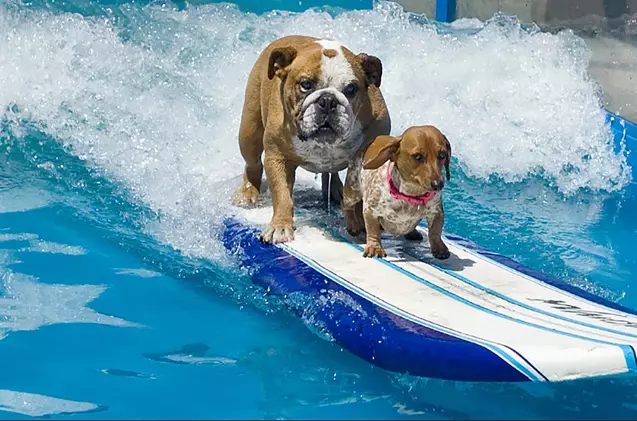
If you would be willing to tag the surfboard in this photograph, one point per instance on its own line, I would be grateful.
(477, 316)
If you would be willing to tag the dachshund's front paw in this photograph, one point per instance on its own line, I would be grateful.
(440, 251)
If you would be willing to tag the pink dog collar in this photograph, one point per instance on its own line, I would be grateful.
(416, 200)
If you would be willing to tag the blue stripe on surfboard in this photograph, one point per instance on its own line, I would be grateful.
(516, 267)
(523, 305)
(629, 353)
(513, 301)
(405, 347)
(494, 347)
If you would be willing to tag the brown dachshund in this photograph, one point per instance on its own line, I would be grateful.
(399, 181)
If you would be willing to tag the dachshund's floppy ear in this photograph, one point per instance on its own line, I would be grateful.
(448, 159)
(382, 148)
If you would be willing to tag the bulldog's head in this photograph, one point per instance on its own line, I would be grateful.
(324, 89)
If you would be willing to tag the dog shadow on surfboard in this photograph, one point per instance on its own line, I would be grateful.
(312, 211)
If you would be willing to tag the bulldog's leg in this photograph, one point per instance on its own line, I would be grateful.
(435, 223)
(332, 188)
(354, 220)
(251, 145)
(352, 205)
(280, 174)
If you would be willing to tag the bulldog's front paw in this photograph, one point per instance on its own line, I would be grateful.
(440, 250)
(246, 195)
(354, 231)
(374, 250)
(277, 233)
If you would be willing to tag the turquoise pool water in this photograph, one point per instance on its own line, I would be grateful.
(118, 121)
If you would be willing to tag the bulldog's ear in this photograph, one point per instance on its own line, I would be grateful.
(382, 148)
(373, 69)
(280, 58)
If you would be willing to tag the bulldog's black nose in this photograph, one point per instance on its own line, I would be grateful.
(437, 185)
(327, 102)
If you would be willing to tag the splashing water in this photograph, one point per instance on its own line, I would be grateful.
(149, 97)
(152, 96)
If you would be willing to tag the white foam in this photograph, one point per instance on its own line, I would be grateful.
(36, 405)
(17, 237)
(27, 304)
(160, 110)
(42, 246)
(189, 359)
(140, 272)
(22, 199)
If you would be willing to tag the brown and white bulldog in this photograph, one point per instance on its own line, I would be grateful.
(309, 103)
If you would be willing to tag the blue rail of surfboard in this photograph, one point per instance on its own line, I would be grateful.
(363, 325)
(386, 337)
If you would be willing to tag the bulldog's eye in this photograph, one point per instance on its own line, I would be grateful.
(442, 155)
(350, 90)
(418, 157)
(306, 85)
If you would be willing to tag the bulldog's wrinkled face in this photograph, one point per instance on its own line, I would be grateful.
(324, 93)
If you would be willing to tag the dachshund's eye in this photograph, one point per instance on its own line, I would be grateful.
(442, 155)
(306, 85)
(350, 90)
(418, 157)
